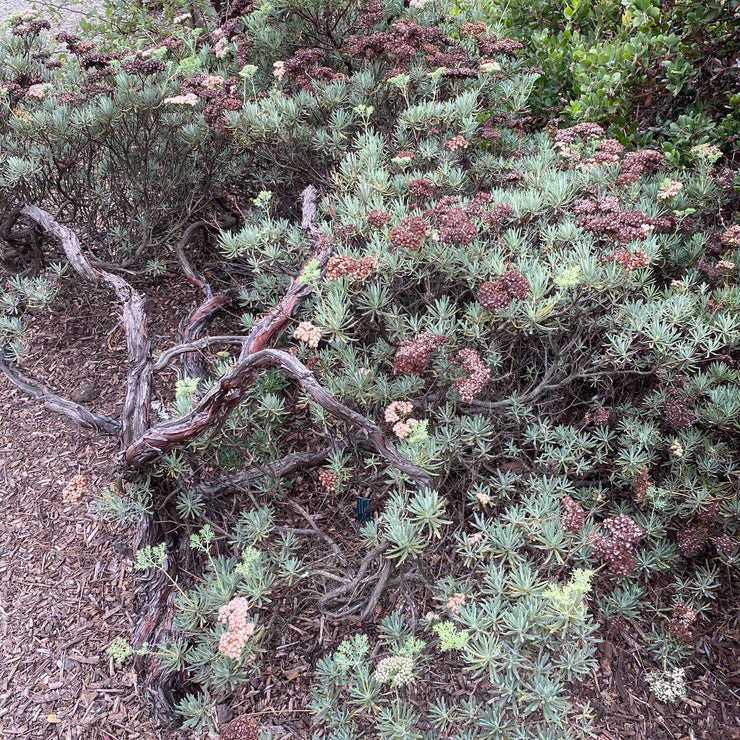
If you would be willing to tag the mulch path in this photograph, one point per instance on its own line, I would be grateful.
(67, 587)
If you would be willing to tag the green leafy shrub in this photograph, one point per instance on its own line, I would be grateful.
(642, 67)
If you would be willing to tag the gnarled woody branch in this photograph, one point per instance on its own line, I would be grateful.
(228, 392)
(81, 415)
(135, 414)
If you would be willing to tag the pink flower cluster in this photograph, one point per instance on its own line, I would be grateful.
(232, 642)
(395, 414)
(455, 602)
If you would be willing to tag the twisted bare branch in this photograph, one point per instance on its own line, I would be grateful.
(80, 415)
(135, 414)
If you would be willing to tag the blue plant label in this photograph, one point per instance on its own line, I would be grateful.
(363, 510)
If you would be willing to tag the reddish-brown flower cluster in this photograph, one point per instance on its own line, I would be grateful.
(456, 142)
(474, 29)
(410, 233)
(499, 293)
(711, 271)
(421, 187)
(403, 42)
(604, 216)
(681, 621)
(477, 375)
(725, 544)
(460, 73)
(477, 205)
(371, 14)
(142, 66)
(499, 213)
(616, 550)
(598, 417)
(220, 94)
(378, 218)
(573, 516)
(579, 132)
(241, 728)
(608, 151)
(457, 228)
(487, 131)
(489, 46)
(641, 484)
(413, 355)
(635, 164)
(303, 68)
(692, 540)
(677, 416)
(724, 177)
(30, 28)
(629, 260)
(96, 60)
(74, 490)
(344, 265)
(328, 480)
(512, 178)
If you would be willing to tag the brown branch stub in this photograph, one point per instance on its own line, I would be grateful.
(80, 415)
(227, 393)
(135, 414)
(277, 469)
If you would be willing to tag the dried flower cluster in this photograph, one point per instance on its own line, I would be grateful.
(410, 233)
(308, 333)
(681, 621)
(630, 260)
(477, 375)
(598, 417)
(74, 490)
(573, 516)
(677, 416)
(582, 131)
(356, 269)
(726, 544)
(642, 484)
(499, 293)
(378, 218)
(233, 641)
(413, 355)
(731, 236)
(692, 541)
(421, 187)
(616, 550)
(635, 164)
(604, 216)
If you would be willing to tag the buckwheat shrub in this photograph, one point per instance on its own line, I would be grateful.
(557, 285)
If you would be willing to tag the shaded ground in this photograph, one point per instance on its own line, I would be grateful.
(67, 587)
